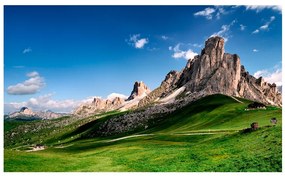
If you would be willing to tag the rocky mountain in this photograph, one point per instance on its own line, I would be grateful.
(139, 90)
(213, 72)
(26, 113)
(99, 105)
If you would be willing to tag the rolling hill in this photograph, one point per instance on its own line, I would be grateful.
(210, 134)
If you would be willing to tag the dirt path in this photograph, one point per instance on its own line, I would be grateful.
(127, 137)
(236, 99)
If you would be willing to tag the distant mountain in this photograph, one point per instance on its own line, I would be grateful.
(27, 114)
(99, 105)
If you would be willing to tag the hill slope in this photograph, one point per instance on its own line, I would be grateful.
(203, 136)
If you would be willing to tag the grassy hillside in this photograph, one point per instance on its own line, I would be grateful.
(204, 136)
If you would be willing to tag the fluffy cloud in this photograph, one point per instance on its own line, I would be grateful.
(225, 31)
(264, 27)
(27, 50)
(255, 32)
(271, 75)
(186, 54)
(138, 42)
(255, 50)
(259, 8)
(112, 96)
(30, 86)
(207, 12)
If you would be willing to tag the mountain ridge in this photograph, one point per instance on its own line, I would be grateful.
(212, 72)
(26, 113)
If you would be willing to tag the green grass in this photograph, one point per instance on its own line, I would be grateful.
(178, 142)
(9, 125)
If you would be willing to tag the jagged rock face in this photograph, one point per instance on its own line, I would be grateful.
(167, 85)
(214, 71)
(139, 90)
(258, 90)
(98, 105)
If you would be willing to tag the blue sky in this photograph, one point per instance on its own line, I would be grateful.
(56, 57)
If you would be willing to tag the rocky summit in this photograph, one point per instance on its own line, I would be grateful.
(215, 72)
(139, 90)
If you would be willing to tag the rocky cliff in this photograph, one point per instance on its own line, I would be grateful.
(98, 105)
(139, 90)
(212, 72)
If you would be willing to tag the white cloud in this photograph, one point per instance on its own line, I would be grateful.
(170, 48)
(225, 30)
(186, 54)
(264, 27)
(141, 42)
(137, 41)
(30, 86)
(255, 50)
(255, 32)
(164, 37)
(46, 102)
(27, 50)
(211, 12)
(270, 75)
(259, 8)
(33, 74)
(112, 96)
(242, 27)
(220, 11)
(207, 12)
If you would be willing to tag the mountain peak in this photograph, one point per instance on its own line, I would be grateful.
(139, 90)
(216, 72)
(23, 109)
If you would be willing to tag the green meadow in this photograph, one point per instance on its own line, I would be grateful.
(207, 135)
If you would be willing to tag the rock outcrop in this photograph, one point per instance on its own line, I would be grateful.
(139, 90)
(166, 87)
(214, 71)
(99, 105)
